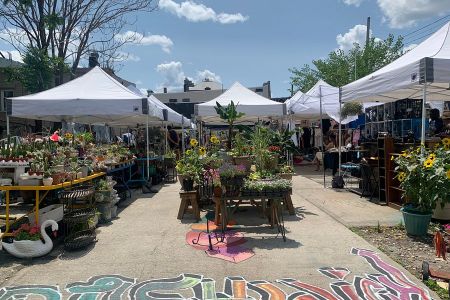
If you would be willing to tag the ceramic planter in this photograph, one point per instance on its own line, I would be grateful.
(440, 213)
(243, 160)
(47, 181)
(415, 223)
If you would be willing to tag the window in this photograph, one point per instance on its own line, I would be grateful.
(173, 100)
(3, 95)
(186, 100)
(258, 90)
(207, 88)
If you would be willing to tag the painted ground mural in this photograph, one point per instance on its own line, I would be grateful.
(387, 282)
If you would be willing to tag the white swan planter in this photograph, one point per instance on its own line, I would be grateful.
(30, 249)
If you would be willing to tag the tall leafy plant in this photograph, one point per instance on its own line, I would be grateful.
(229, 114)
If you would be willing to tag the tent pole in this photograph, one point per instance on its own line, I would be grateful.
(182, 134)
(340, 133)
(7, 124)
(424, 114)
(321, 142)
(148, 151)
(165, 144)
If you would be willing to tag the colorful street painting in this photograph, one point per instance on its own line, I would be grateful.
(387, 282)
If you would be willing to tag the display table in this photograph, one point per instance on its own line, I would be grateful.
(120, 172)
(272, 207)
(38, 196)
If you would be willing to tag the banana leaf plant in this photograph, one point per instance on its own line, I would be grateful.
(229, 114)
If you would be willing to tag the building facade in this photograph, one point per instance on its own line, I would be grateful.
(184, 102)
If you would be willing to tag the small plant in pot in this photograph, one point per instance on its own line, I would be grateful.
(286, 172)
(212, 176)
(48, 179)
(189, 168)
(424, 175)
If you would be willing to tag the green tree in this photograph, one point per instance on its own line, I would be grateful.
(37, 72)
(342, 67)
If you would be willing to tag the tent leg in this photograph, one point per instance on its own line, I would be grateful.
(182, 135)
(148, 151)
(424, 114)
(321, 142)
(340, 134)
(7, 125)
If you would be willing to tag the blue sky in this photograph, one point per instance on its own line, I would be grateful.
(253, 41)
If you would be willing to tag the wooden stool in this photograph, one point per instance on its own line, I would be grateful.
(189, 199)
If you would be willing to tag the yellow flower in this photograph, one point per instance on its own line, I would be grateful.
(201, 151)
(188, 152)
(448, 174)
(447, 147)
(214, 139)
(401, 176)
(194, 143)
(68, 135)
(428, 163)
(432, 157)
(392, 157)
(446, 141)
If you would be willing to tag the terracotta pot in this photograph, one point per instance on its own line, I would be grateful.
(59, 177)
(243, 160)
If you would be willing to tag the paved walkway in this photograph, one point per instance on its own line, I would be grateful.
(148, 242)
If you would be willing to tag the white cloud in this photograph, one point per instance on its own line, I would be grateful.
(207, 74)
(405, 13)
(356, 34)
(409, 47)
(353, 2)
(137, 38)
(195, 12)
(15, 55)
(173, 74)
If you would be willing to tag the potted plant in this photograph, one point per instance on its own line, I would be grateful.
(241, 151)
(189, 167)
(286, 172)
(229, 114)
(424, 175)
(213, 177)
(47, 180)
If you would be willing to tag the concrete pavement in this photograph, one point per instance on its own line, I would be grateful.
(148, 242)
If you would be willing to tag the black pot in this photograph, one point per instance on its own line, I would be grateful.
(188, 184)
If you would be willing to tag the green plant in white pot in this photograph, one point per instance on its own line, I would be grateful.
(424, 175)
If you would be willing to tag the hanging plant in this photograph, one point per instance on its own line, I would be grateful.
(351, 109)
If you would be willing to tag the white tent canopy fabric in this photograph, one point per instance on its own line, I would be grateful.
(94, 98)
(404, 78)
(254, 106)
(307, 106)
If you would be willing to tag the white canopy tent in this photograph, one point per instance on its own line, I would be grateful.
(321, 99)
(421, 73)
(94, 98)
(253, 105)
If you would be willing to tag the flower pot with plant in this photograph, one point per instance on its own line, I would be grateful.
(286, 172)
(190, 168)
(424, 175)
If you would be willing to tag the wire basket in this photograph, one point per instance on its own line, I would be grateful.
(80, 239)
(79, 215)
(77, 195)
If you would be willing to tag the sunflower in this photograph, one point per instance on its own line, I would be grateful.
(193, 143)
(401, 176)
(432, 157)
(428, 163)
(201, 151)
(68, 135)
(188, 152)
(214, 139)
(446, 141)
(448, 174)
(446, 147)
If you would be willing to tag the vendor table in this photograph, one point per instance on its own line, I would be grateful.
(39, 197)
(274, 204)
(120, 171)
(144, 177)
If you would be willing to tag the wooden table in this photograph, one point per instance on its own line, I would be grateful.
(275, 209)
(39, 198)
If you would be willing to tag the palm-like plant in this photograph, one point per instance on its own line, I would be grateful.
(229, 114)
